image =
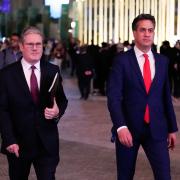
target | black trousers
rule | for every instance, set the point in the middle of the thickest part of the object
(44, 165)
(84, 86)
(155, 150)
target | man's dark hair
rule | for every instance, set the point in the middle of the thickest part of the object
(15, 34)
(142, 17)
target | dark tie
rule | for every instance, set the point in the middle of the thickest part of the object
(147, 82)
(34, 86)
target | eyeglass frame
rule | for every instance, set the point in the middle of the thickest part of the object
(31, 45)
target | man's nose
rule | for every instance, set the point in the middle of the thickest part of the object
(34, 46)
(147, 33)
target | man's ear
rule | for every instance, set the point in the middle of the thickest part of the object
(21, 46)
(134, 33)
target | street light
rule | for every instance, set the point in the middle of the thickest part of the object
(73, 24)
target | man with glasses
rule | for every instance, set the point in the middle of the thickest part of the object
(28, 125)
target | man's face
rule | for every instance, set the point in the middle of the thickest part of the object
(14, 41)
(32, 48)
(144, 35)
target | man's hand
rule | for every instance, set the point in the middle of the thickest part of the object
(125, 137)
(171, 141)
(175, 66)
(14, 148)
(53, 112)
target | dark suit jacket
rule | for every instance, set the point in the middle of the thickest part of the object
(23, 122)
(8, 57)
(127, 97)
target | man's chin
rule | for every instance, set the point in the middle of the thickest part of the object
(148, 45)
(34, 61)
(35, 58)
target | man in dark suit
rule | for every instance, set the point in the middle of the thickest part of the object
(12, 53)
(28, 127)
(140, 105)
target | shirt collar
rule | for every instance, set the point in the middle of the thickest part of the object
(139, 53)
(27, 65)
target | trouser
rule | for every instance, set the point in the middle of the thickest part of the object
(45, 167)
(155, 150)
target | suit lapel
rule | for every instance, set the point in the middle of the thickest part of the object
(157, 71)
(23, 83)
(22, 80)
(136, 68)
(43, 79)
(43, 75)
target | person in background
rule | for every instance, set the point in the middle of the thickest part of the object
(28, 122)
(176, 71)
(56, 56)
(166, 50)
(126, 45)
(85, 71)
(48, 45)
(140, 105)
(104, 66)
(12, 53)
(74, 46)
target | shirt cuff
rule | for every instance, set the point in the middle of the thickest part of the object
(122, 127)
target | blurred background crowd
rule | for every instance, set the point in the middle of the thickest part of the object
(90, 64)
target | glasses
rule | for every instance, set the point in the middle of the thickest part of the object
(32, 45)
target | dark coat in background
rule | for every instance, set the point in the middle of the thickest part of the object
(85, 71)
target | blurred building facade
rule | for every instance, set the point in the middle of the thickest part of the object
(87, 20)
(17, 14)
(110, 20)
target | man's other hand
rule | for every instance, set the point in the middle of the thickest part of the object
(53, 112)
(125, 137)
(171, 141)
(13, 148)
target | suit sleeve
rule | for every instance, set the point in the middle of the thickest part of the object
(169, 110)
(1, 59)
(115, 88)
(6, 125)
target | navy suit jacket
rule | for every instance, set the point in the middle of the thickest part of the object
(127, 97)
(22, 121)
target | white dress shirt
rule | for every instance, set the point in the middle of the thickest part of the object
(141, 60)
(27, 71)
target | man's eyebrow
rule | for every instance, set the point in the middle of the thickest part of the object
(143, 28)
(146, 27)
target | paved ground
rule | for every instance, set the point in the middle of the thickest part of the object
(86, 151)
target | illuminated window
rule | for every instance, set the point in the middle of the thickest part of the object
(55, 7)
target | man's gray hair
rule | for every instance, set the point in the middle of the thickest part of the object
(31, 30)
